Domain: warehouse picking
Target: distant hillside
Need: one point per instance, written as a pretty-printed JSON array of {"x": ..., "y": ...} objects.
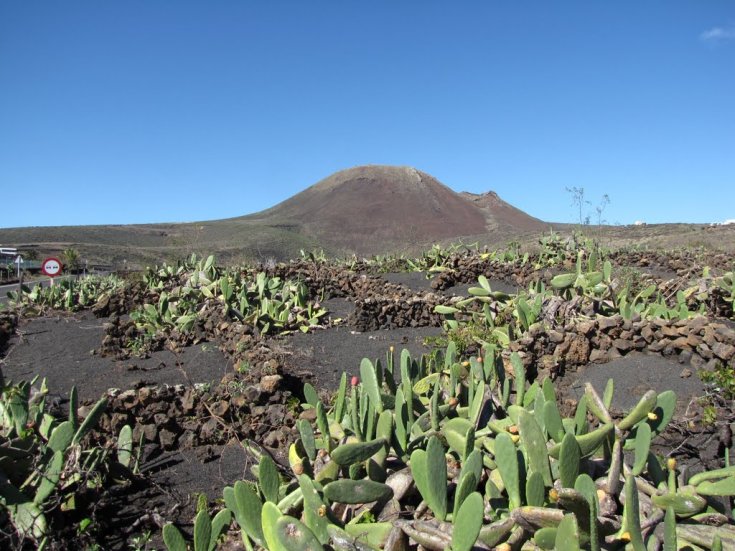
[{"x": 365, "y": 210}]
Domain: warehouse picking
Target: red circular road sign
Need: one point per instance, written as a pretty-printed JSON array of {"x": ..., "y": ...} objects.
[{"x": 51, "y": 267}]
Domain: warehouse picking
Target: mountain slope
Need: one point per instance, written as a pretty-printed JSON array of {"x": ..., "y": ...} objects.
[
  {"x": 363, "y": 207},
  {"x": 364, "y": 210},
  {"x": 504, "y": 214}
]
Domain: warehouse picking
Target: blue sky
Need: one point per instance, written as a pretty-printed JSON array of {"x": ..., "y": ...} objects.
[{"x": 155, "y": 111}]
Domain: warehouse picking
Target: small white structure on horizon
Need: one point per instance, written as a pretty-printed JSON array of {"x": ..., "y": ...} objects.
[
  {"x": 728, "y": 222},
  {"x": 639, "y": 223}
]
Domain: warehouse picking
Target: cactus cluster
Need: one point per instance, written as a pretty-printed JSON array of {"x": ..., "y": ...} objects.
[
  {"x": 270, "y": 304},
  {"x": 462, "y": 454},
  {"x": 42, "y": 459},
  {"x": 66, "y": 294},
  {"x": 497, "y": 318},
  {"x": 443, "y": 451}
]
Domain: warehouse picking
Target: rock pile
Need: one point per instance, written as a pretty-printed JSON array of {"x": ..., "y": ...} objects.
[{"x": 124, "y": 300}]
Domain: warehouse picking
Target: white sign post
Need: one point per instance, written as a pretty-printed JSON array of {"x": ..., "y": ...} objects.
[{"x": 19, "y": 261}]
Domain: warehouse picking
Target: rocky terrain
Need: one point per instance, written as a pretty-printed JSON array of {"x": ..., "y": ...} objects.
[{"x": 207, "y": 394}]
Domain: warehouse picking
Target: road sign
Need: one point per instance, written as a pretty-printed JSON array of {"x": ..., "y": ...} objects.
[
  {"x": 51, "y": 267},
  {"x": 18, "y": 259}
]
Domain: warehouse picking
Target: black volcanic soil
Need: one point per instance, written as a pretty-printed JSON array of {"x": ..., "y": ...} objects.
[
  {"x": 322, "y": 356},
  {"x": 58, "y": 348},
  {"x": 636, "y": 373},
  {"x": 61, "y": 350}
]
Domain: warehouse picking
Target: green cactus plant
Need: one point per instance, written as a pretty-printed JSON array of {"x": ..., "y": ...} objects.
[
  {"x": 506, "y": 457},
  {"x": 357, "y": 452},
  {"x": 429, "y": 468},
  {"x": 247, "y": 508},
  {"x": 570, "y": 455},
  {"x": 286, "y": 533},
  {"x": 567, "y": 534},
  {"x": 125, "y": 446},
  {"x": 206, "y": 532},
  {"x": 534, "y": 445},
  {"x": 445, "y": 412},
  {"x": 316, "y": 514},
  {"x": 467, "y": 523},
  {"x": 357, "y": 491}
]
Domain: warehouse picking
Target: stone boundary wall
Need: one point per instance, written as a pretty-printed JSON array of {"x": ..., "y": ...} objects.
[
  {"x": 698, "y": 341},
  {"x": 179, "y": 417}
]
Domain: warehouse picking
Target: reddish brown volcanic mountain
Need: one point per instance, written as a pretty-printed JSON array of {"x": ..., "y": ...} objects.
[
  {"x": 363, "y": 210},
  {"x": 503, "y": 214},
  {"x": 368, "y": 207}
]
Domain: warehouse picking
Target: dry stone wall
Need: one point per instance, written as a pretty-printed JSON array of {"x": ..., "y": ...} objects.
[{"x": 699, "y": 342}]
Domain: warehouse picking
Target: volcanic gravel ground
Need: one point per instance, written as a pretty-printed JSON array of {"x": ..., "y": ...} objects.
[
  {"x": 324, "y": 355},
  {"x": 60, "y": 349},
  {"x": 636, "y": 373},
  {"x": 416, "y": 281}
]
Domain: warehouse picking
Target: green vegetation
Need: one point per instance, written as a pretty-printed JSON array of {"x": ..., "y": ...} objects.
[
  {"x": 492, "y": 317},
  {"x": 178, "y": 292},
  {"x": 67, "y": 294},
  {"x": 46, "y": 462},
  {"x": 493, "y": 461},
  {"x": 71, "y": 259},
  {"x": 453, "y": 450},
  {"x": 721, "y": 381},
  {"x": 269, "y": 304}
]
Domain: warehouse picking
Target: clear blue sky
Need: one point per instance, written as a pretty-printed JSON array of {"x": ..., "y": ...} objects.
[{"x": 153, "y": 111}]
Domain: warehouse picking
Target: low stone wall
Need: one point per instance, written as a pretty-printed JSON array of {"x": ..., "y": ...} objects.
[
  {"x": 698, "y": 341},
  {"x": 380, "y": 312},
  {"x": 179, "y": 417}
]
